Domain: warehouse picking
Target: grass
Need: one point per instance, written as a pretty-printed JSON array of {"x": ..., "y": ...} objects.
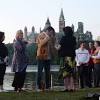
[{"x": 53, "y": 95}]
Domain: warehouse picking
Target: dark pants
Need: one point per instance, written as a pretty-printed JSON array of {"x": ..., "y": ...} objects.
[
  {"x": 96, "y": 75},
  {"x": 46, "y": 65},
  {"x": 84, "y": 76},
  {"x": 19, "y": 79},
  {"x": 2, "y": 73},
  {"x": 91, "y": 73}
]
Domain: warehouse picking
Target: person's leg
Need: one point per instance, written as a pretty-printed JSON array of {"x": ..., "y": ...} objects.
[
  {"x": 72, "y": 87},
  {"x": 2, "y": 73},
  {"x": 15, "y": 81},
  {"x": 81, "y": 76},
  {"x": 39, "y": 76},
  {"x": 96, "y": 75},
  {"x": 86, "y": 76},
  {"x": 66, "y": 83},
  {"x": 47, "y": 73},
  {"x": 22, "y": 76},
  {"x": 90, "y": 78}
]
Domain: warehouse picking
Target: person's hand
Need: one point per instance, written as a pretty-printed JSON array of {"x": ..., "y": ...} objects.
[
  {"x": 6, "y": 59},
  {"x": 57, "y": 46},
  {"x": 80, "y": 63}
]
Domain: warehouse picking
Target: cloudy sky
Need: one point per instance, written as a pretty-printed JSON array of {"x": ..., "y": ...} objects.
[{"x": 16, "y": 14}]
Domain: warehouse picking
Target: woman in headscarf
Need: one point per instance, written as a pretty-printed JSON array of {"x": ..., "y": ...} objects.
[{"x": 19, "y": 62}]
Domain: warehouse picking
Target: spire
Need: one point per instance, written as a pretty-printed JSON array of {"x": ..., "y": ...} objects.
[
  {"x": 47, "y": 24},
  {"x": 61, "y": 21},
  {"x": 72, "y": 27},
  {"x": 40, "y": 30},
  {"x": 25, "y": 33},
  {"x": 61, "y": 18},
  {"x": 25, "y": 29},
  {"x": 33, "y": 29}
]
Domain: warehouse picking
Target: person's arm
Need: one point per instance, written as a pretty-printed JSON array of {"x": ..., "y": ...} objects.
[
  {"x": 57, "y": 46},
  {"x": 6, "y": 56},
  {"x": 76, "y": 58},
  {"x": 97, "y": 56},
  {"x": 45, "y": 40}
]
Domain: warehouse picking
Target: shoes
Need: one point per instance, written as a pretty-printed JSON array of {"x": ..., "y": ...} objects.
[
  {"x": 66, "y": 90},
  {"x": 71, "y": 90},
  {"x": 47, "y": 89},
  {"x": 3, "y": 91},
  {"x": 38, "y": 90}
]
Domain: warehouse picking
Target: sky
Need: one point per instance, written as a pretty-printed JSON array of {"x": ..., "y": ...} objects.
[{"x": 16, "y": 14}]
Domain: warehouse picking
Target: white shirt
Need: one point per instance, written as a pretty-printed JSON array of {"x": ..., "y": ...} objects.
[{"x": 82, "y": 56}]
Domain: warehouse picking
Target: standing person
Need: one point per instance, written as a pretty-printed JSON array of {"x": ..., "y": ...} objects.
[
  {"x": 91, "y": 63},
  {"x": 66, "y": 53},
  {"x": 3, "y": 59},
  {"x": 45, "y": 42},
  {"x": 82, "y": 59},
  {"x": 19, "y": 62},
  {"x": 96, "y": 60}
]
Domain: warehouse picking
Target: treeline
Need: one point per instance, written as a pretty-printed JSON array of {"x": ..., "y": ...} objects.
[{"x": 31, "y": 52}]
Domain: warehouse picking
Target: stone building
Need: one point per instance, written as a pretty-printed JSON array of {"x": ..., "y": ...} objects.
[{"x": 79, "y": 34}]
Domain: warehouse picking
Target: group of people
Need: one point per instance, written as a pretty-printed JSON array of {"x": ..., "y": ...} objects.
[{"x": 82, "y": 62}]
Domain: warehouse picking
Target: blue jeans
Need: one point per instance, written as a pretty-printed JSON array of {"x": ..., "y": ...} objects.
[{"x": 46, "y": 65}]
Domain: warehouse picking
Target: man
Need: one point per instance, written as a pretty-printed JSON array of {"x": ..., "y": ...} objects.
[
  {"x": 82, "y": 59},
  {"x": 45, "y": 42}
]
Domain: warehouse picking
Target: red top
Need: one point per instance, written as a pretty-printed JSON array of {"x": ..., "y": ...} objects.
[{"x": 91, "y": 51}]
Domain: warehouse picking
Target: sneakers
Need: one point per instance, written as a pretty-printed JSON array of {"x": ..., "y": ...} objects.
[
  {"x": 38, "y": 90},
  {"x": 3, "y": 91}
]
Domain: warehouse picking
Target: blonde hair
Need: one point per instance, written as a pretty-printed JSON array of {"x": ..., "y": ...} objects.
[{"x": 18, "y": 33}]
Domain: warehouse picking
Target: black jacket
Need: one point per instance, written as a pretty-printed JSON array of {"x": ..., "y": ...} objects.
[
  {"x": 68, "y": 46},
  {"x": 3, "y": 50}
]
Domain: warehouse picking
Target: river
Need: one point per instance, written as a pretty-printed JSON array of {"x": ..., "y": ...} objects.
[{"x": 31, "y": 77}]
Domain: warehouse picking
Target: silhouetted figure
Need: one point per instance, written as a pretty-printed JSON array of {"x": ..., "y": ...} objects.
[
  {"x": 3, "y": 59},
  {"x": 67, "y": 58}
]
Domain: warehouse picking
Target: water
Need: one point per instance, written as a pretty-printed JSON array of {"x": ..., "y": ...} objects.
[{"x": 31, "y": 77}]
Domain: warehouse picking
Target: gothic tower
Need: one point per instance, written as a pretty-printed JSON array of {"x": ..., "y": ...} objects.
[
  {"x": 33, "y": 29},
  {"x": 72, "y": 27},
  {"x": 47, "y": 24},
  {"x": 25, "y": 33},
  {"x": 61, "y": 21},
  {"x": 80, "y": 29}
]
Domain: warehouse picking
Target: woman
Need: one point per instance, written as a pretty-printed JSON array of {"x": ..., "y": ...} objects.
[
  {"x": 67, "y": 55},
  {"x": 3, "y": 59},
  {"x": 19, "y": 62},
  {"x": 96, "y": 60},
  {"x": 45, "y": 53}
]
